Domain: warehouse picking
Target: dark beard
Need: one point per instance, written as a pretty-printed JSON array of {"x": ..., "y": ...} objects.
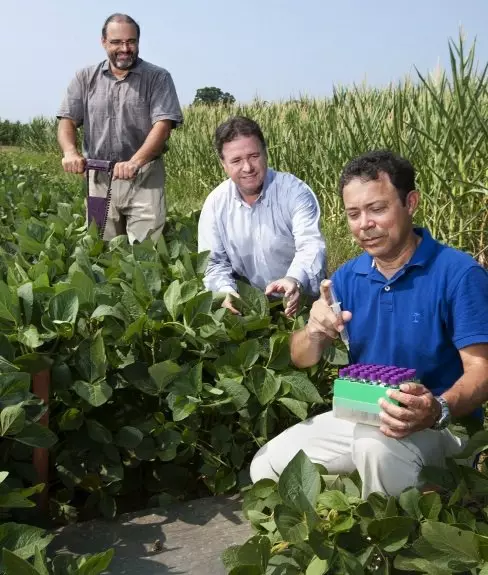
[{"x": 134, "y": 56}]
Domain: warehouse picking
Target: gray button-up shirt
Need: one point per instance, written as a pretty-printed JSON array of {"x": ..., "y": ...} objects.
[
  {"x": 278, "y": 236},
  {"x": 117, "y": 115}
]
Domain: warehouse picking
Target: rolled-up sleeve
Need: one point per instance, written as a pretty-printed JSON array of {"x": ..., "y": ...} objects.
[
  {"x": 218, "y": 275},
  {"x": 310, "y": 262},
  {"x": 72, "y": 105},
  {"x": 164, "y": 103}
]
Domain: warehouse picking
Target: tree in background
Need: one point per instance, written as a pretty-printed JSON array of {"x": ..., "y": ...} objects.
[{"x": 213, "y": 95}]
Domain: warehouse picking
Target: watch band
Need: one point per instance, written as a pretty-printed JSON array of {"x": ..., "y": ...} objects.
[{"x": 445, "y": 416}]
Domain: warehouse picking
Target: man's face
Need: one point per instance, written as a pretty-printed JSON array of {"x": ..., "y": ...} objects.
[
  {"x": 378, "y": 220},
  {"x": 245, "y": 162},
  {"x": 121, "y": 44}
]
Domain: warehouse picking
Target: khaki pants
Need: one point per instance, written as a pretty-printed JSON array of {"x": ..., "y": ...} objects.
[
  {"x": 137, "y": 207},
  {"x": 384, "y": 464}
]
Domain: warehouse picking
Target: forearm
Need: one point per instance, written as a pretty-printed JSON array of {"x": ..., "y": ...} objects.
[
  {"x": 154, "y": 143},
  {"x": 469, "y": 392},
  {"x": 67, "y": 136},
  {"x": 306, "y": 349}
]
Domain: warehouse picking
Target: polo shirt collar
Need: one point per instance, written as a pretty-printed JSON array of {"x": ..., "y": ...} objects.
[{"x": 424, "y": 252}]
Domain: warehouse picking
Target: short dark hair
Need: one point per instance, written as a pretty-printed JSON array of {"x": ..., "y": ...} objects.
[
  {"x": 235, "y": 127},
  {"x": 369, "y": 166},
  {"x": 117, "y": 17}
]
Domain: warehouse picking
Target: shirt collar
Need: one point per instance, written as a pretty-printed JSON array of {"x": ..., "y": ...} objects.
[
  {"x": 364, "y": 264},
  {"x": 264, "y": 196}
]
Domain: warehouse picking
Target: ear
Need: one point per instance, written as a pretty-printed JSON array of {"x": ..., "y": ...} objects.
[{"x": 412, "y": 201}]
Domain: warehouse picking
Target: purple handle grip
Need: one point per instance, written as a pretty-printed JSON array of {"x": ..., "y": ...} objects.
[{"x": 100, "y": 165}]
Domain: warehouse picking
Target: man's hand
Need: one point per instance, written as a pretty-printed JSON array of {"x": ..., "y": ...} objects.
[
  {"x": 289, "y": 288},
  {"x": 73, "y": 162},
  {"x": 323, "y": 323},
  {"x": 125, "y": 170},
  {"x": 227, "y": 303},
  {"x": 419, "y": 410}
]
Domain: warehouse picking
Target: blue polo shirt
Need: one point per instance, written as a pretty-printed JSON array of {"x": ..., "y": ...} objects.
[{"x": 434, "y": 306}]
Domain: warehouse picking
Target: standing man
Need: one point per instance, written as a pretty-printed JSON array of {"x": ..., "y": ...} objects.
[
  {"x": 408, "y": 300},
  {"x": 127, "y": 108},
  {"x": 260, "y": 224}
]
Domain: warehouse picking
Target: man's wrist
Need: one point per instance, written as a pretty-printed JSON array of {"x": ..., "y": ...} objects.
[
  {"x": 298, "y": 283},
  {"x": 317, "y": 336}
]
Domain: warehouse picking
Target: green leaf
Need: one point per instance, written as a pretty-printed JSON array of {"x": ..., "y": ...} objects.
[
  {"x": 235, "y": 390},
  {"x": 299, "y": 484},
  {"x": 172, "y": 299},
  {"x": 36, "y": 435},
  {"x": 410, "y": 562},
  {"x": 40, "y": 563},
  {"x": 200, "y": 304},
  {"x": 29, "y": 336},
  {"x": 107, "y": 310},
  {"x": 129, "y": 437},
  {"x": 349, "y": 563},
  {"x": 63, "y": 307},
  {"x": 96, "y": 564},
  {"x": 254, "y": 300},
  {"x": 12, "y": 420},
  {"x": 14, "y": 565},
  {"x": 298, "y": 408},
  {"x": 391, "y": 533},
  {"x": 317, "y": 566},
  {"x": 477, "y": 443},
  {"x": 33, "y": 362},
  {"x": 26, "y": 295},
  {"x": 83, "y": 286},
  {"x": 247, "y": 354},
  {"x": 96, "y": 394},
  {"x": 300, "y": 387},
  {"x": 164, "y": 373},
  {"x": 23, "y": 539},
  {"x": 291, "y": 524},
  {"x": 107, "y": 506},
  {"x": 90, "y": 359},
  {"x": 409, "y": 502},
  {"x": 98, "y": 432},
  {"x": 255, "y": 552},
  {"x": 430, "y": 505},
  {"x": 9, "y": 304},
  {"x": 71, "y": 419},
  {"x": 279, "y": 351},
  {"x": 263, "y": 383},
  {"x": 334, "y": 500},
  {"x": 450, "y": 546},
  {"x": 182, "y": 406}
]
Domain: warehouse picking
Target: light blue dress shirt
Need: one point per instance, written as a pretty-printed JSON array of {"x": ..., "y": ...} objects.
[{"x": 277, "y": 236}]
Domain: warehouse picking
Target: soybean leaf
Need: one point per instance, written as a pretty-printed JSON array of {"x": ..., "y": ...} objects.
[
  {"x": 262, "y": 383},
  {"x": 96, "y": 394},
  {"x": 299, "y": 484},
  {"x": 291, "y": 524}
]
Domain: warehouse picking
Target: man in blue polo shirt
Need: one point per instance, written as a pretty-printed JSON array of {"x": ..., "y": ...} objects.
[{"x": 408, "y": 301}]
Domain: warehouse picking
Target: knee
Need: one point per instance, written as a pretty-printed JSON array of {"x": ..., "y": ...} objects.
[{"x": 261, "y": 465}]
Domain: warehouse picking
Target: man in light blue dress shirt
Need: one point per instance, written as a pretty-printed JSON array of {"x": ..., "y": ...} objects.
[{"x": 260, "y": 224}]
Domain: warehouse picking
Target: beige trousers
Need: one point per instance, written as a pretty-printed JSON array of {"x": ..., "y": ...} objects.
[
  {"x": 137, "y": 207},
  {"x": 384, "y": 464}
]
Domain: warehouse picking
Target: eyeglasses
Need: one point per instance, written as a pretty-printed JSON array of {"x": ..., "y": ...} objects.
[{"x": 116, "y": 43}]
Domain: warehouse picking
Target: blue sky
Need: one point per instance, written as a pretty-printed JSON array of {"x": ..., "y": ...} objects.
[{"x": 273, "y": 49}]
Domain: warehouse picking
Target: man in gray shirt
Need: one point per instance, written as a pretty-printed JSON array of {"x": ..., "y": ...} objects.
[
  {"x": 127, "y": 108},
  {"x": 260, "y": 224}
]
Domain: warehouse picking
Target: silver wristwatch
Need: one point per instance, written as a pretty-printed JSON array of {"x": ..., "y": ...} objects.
[{"x": 445, "y": 416}]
